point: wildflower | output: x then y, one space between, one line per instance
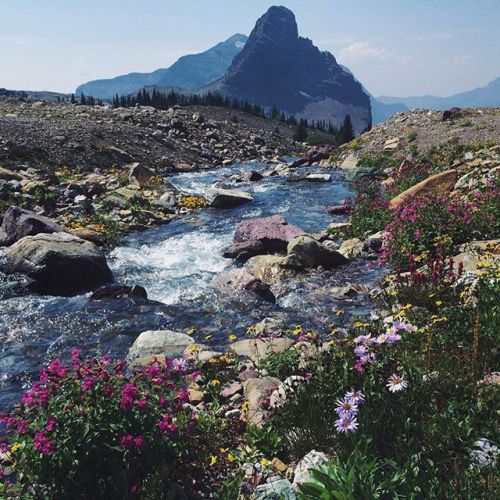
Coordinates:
264 462
359 366
339 312
231 457
355 397
395 383
140 444
43 444
127 442
439 302
57 368
213 460
166 424
346 408
346 425
15 447
141 404
51 424
215 382
232 337
179 365
360 350
88 383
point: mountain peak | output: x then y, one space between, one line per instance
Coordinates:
278 24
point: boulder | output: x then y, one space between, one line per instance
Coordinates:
259 349
111 292
350 163
391 144
89 235
313 460
318 178
257 392
140 174
270 234
241 279
374 242
18 223
275 489
312 253
436 184
338 209
251 176
58 263
269 268
165 343
352 248
226 198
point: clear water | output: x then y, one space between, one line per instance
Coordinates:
177 264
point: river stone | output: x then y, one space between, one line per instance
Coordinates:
441 183
374 242
318 178
165 343
352 248
241 279
226 198
257 391
269 268
312 253
252 176
259 349
313 460
140 174
58 263
111 292
272 234
18 223
279 489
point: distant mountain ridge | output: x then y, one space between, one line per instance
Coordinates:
481 97
190 72
278 68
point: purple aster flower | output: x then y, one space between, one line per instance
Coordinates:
355 397
345 408
360 350
179 365
346 425
395 383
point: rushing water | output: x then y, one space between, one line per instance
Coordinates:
177 264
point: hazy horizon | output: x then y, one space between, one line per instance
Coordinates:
394 48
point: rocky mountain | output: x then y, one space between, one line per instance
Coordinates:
189 73
486 97
279 68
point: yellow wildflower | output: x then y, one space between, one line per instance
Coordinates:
15 447
190 331
231 457
264 462
439 302
232 337
339 312
213 460
215 382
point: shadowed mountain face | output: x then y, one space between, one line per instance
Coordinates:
190 72
277 67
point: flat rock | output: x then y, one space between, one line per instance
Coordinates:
313 460
58 263
166 343
9 175
259 349
352 248
350 163
279 489
269 268
140 174
111 292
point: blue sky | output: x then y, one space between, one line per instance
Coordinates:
394 47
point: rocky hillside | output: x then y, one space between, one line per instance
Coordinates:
278 68
422 132
104 168
190 72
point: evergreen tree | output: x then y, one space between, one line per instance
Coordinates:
73 100
346 132
300 133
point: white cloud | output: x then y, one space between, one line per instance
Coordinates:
361 51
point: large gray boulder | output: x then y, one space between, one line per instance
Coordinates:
309 252
18 223
58 263
226 198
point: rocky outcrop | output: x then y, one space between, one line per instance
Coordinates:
278 68
441 183
58 263
112 292
18 223
226 198
270 269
